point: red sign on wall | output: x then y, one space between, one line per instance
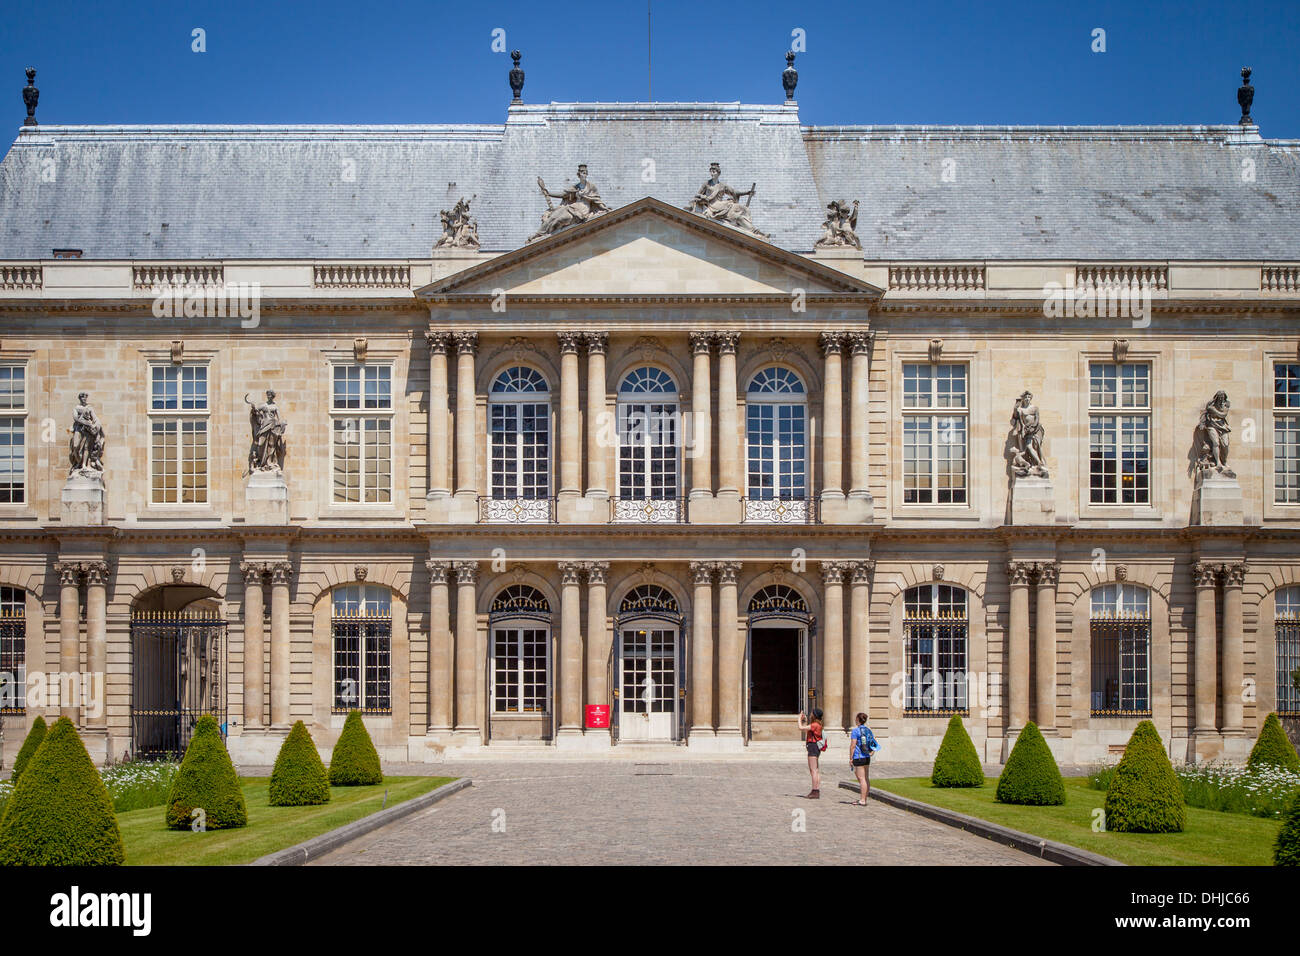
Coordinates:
597 716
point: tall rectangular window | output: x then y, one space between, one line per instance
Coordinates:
178 422
13 651
935 413
13 434
1120 629
362 626
362 424
1286 632
1119 427
1286 433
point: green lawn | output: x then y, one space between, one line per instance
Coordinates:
150 843
1211 837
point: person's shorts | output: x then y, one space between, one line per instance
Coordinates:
861 761
814 749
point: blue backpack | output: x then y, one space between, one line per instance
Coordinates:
866 740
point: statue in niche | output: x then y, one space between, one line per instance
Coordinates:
459 231
578 203
266 453
86 447
1212 437
717 201
840 227
1027 439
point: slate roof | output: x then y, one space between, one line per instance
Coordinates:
334 192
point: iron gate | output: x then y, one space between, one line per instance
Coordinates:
178 667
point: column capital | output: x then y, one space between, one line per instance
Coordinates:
1019 572
280 571
832 342
1234 574
860 341
701 343
569 342
569 573
439 571
466 343
466 572
702 572
728 571
69 572
253 571
862 570
96 572
596 571
727 342
1048 572
1206 574
439 341
597 342
833 571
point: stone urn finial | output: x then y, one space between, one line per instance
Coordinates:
30 95
516 79
789 77
1245 96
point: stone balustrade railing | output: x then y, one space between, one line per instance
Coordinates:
20 276
937 277
184 275
1280 279
362 275
1122 276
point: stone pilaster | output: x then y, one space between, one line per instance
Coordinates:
281 656
859 430
833 646
1045 647
598 642
729 434
833 416
1017 654
700 452
597 454
1234 667
466 507
96 709
860 637
701 677
442 649
570 417
570 709
439 483
69 573
731 654
1206 661
254 643
467 682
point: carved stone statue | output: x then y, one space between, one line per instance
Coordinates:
459 231
1027 439
840 226
86 447
1212 437
266 453
578 203
718 201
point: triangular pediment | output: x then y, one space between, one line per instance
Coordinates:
648 248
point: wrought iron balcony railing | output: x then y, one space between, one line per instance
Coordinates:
781 510
516 510
647 510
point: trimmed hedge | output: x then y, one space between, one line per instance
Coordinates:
206 781
957 764
28 749
1031 776
299 778
59 813
1286 851
1145 795
1272 749
354 761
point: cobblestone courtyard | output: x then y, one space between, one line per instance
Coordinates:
660 812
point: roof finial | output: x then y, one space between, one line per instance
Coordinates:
30 95
1245 96
516 79
789 77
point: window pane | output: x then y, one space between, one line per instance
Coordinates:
13 460
13 393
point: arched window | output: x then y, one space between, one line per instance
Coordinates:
778 600
1286 630
649 600
776 438
1121 650
649 483
935 642
13 651
519 427
520 618
362 626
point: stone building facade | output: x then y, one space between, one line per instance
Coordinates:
655 474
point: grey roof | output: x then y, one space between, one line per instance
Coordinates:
191 192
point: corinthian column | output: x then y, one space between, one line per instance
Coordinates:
439 472
281 656
701 681
731 653
1206 667
96 708
833 416
570 416
860 638
701 439
254 643
1045 646
597 453
466 437
69 632
729 481
1234 670
598 640
1017 656
833 644
442 648
860 345
570 650
467 689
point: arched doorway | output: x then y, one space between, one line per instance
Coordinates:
649 662
779 660
178 668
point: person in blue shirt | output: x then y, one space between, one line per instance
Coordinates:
864 745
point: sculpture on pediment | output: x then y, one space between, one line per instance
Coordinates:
266 453
86 447
578 203
1212 437
459 231
840 227
1027 439
717 201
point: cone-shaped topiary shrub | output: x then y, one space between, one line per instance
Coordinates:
1272 749
206 781
1286 851
60 813
957 764
1031 775
299 778
1145 795
28 749
354 762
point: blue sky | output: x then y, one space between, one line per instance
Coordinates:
865 61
